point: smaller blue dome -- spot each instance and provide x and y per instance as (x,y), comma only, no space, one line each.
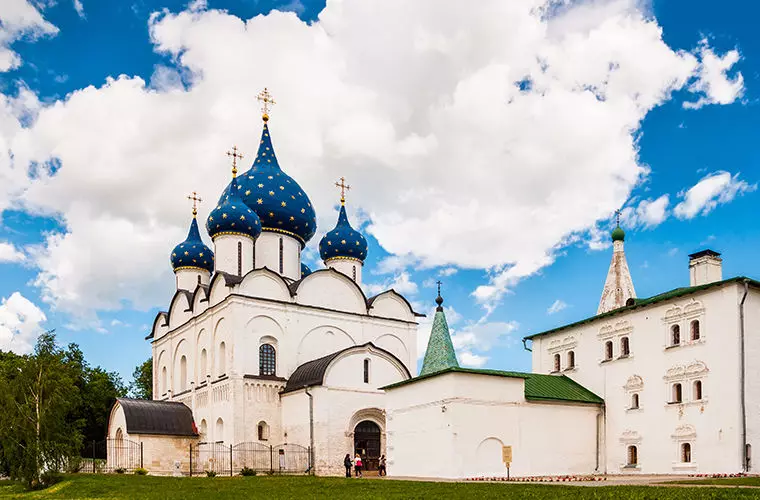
(305,271)
(232,216)
(192,253)
(343,242)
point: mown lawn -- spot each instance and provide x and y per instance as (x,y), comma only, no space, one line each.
(728,481)
(115,487)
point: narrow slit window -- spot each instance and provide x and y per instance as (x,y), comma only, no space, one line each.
(366,371)
(570,359)
(608,350)
(354,273)
(556,362)
(625,347)
(698,390)
(633,456)
(675,335)
(686,453)
(282,267)
(634,401)
(240,259)
(695,330)
(677,393)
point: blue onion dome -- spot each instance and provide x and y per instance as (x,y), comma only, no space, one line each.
(281,204)
(232,216)
(343,242)
(192,253)
(305,271)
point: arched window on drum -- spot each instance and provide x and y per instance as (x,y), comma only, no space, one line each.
(267,360)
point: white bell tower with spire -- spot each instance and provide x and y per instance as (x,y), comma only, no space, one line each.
(618,288)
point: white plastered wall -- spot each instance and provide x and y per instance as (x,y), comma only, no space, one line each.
(268,254)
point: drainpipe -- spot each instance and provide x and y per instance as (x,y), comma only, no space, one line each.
(742,401)
(525,346)
(311,427)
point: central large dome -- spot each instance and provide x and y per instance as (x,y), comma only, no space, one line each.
(278,200)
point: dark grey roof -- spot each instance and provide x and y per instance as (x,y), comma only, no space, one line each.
(702,253)
(313,372)
(157,417)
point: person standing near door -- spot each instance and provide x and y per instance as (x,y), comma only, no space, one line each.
(381,468)
(358,465)
(347,464)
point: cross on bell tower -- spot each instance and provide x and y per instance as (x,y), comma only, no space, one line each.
(343,188)
(617,217)
(266,100)
(195,199)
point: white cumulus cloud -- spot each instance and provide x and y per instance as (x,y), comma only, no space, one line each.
(20,324)
(713,82)
(19,19)
(556,306)
(9,253)
(479,136)
(712,190)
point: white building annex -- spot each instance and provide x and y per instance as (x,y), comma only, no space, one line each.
(257,356)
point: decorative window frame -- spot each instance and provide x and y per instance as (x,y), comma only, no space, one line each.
(634,385)
(683,315)
(614,332)
(686,374)
(562,346)
(684,433)
(630,438)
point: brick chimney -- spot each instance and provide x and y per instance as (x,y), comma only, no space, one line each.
(705,267)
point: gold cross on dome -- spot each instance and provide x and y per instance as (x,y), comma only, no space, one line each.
(439,287)
(234,154)
(343,187)
(195,199)
(266,100)
(617,217)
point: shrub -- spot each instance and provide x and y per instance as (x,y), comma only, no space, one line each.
(247,471)
(74,464)
(210,473)
(141,472)
(50,478)
(120,470)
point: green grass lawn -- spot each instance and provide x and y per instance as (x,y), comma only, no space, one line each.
(167,488)
(729,481)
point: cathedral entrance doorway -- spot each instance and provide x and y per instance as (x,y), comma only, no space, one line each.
(367,443)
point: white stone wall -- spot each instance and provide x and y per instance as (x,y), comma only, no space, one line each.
(455,425)
(659,427)
(187,279)
(226,254)
(349,267)
(752,374)
(268,254)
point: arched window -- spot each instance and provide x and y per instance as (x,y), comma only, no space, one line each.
(240,259)
(633,455)
(267,360)
(625,347)
(570,359)
(203,430)
(222,360)
(634,401)
(262,431)
(556,363)
(697,390)
(675,335)
(282,267)
(366,371)
(219,435)
(695,330)
(608,350)
(182,373)
(677,393)
(164,385)
(686,453)
(204,365)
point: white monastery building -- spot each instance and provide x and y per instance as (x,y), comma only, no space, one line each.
(259,362)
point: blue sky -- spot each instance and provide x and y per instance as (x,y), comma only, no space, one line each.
(676,148)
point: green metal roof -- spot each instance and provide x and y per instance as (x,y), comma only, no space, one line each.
(538,387)
(440,353)
(672,294)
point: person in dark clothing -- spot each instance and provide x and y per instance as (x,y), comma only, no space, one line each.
(381,470)
(347,464)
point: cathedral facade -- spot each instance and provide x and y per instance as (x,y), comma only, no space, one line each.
(261,349)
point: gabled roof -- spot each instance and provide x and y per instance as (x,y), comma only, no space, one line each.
(164,418)
(538,387)
(313,372)
(672,294)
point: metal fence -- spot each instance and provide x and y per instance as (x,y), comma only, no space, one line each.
(111,455)
(286,458)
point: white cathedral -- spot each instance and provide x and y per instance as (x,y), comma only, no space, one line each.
(256,350)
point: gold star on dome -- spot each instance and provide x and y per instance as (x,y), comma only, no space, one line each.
(224,216)
(211,219)
(233,224)
(283,204)
(271,193)
(187,253)
(270,177)
(200,254)
(343,242)
(248,192)
(329,242)
(292,218)
(271,214)
(357,242)
(242,217)
(174,255)
(303,210)
(233,207)
(282,188)
(259,201)
(261,185)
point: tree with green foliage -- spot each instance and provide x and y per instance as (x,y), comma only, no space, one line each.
(39,426)
(142,383)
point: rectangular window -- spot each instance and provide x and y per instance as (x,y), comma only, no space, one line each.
(281,258)
(366,371)
(240,259)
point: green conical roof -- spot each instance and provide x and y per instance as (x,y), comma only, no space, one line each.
(440,353)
